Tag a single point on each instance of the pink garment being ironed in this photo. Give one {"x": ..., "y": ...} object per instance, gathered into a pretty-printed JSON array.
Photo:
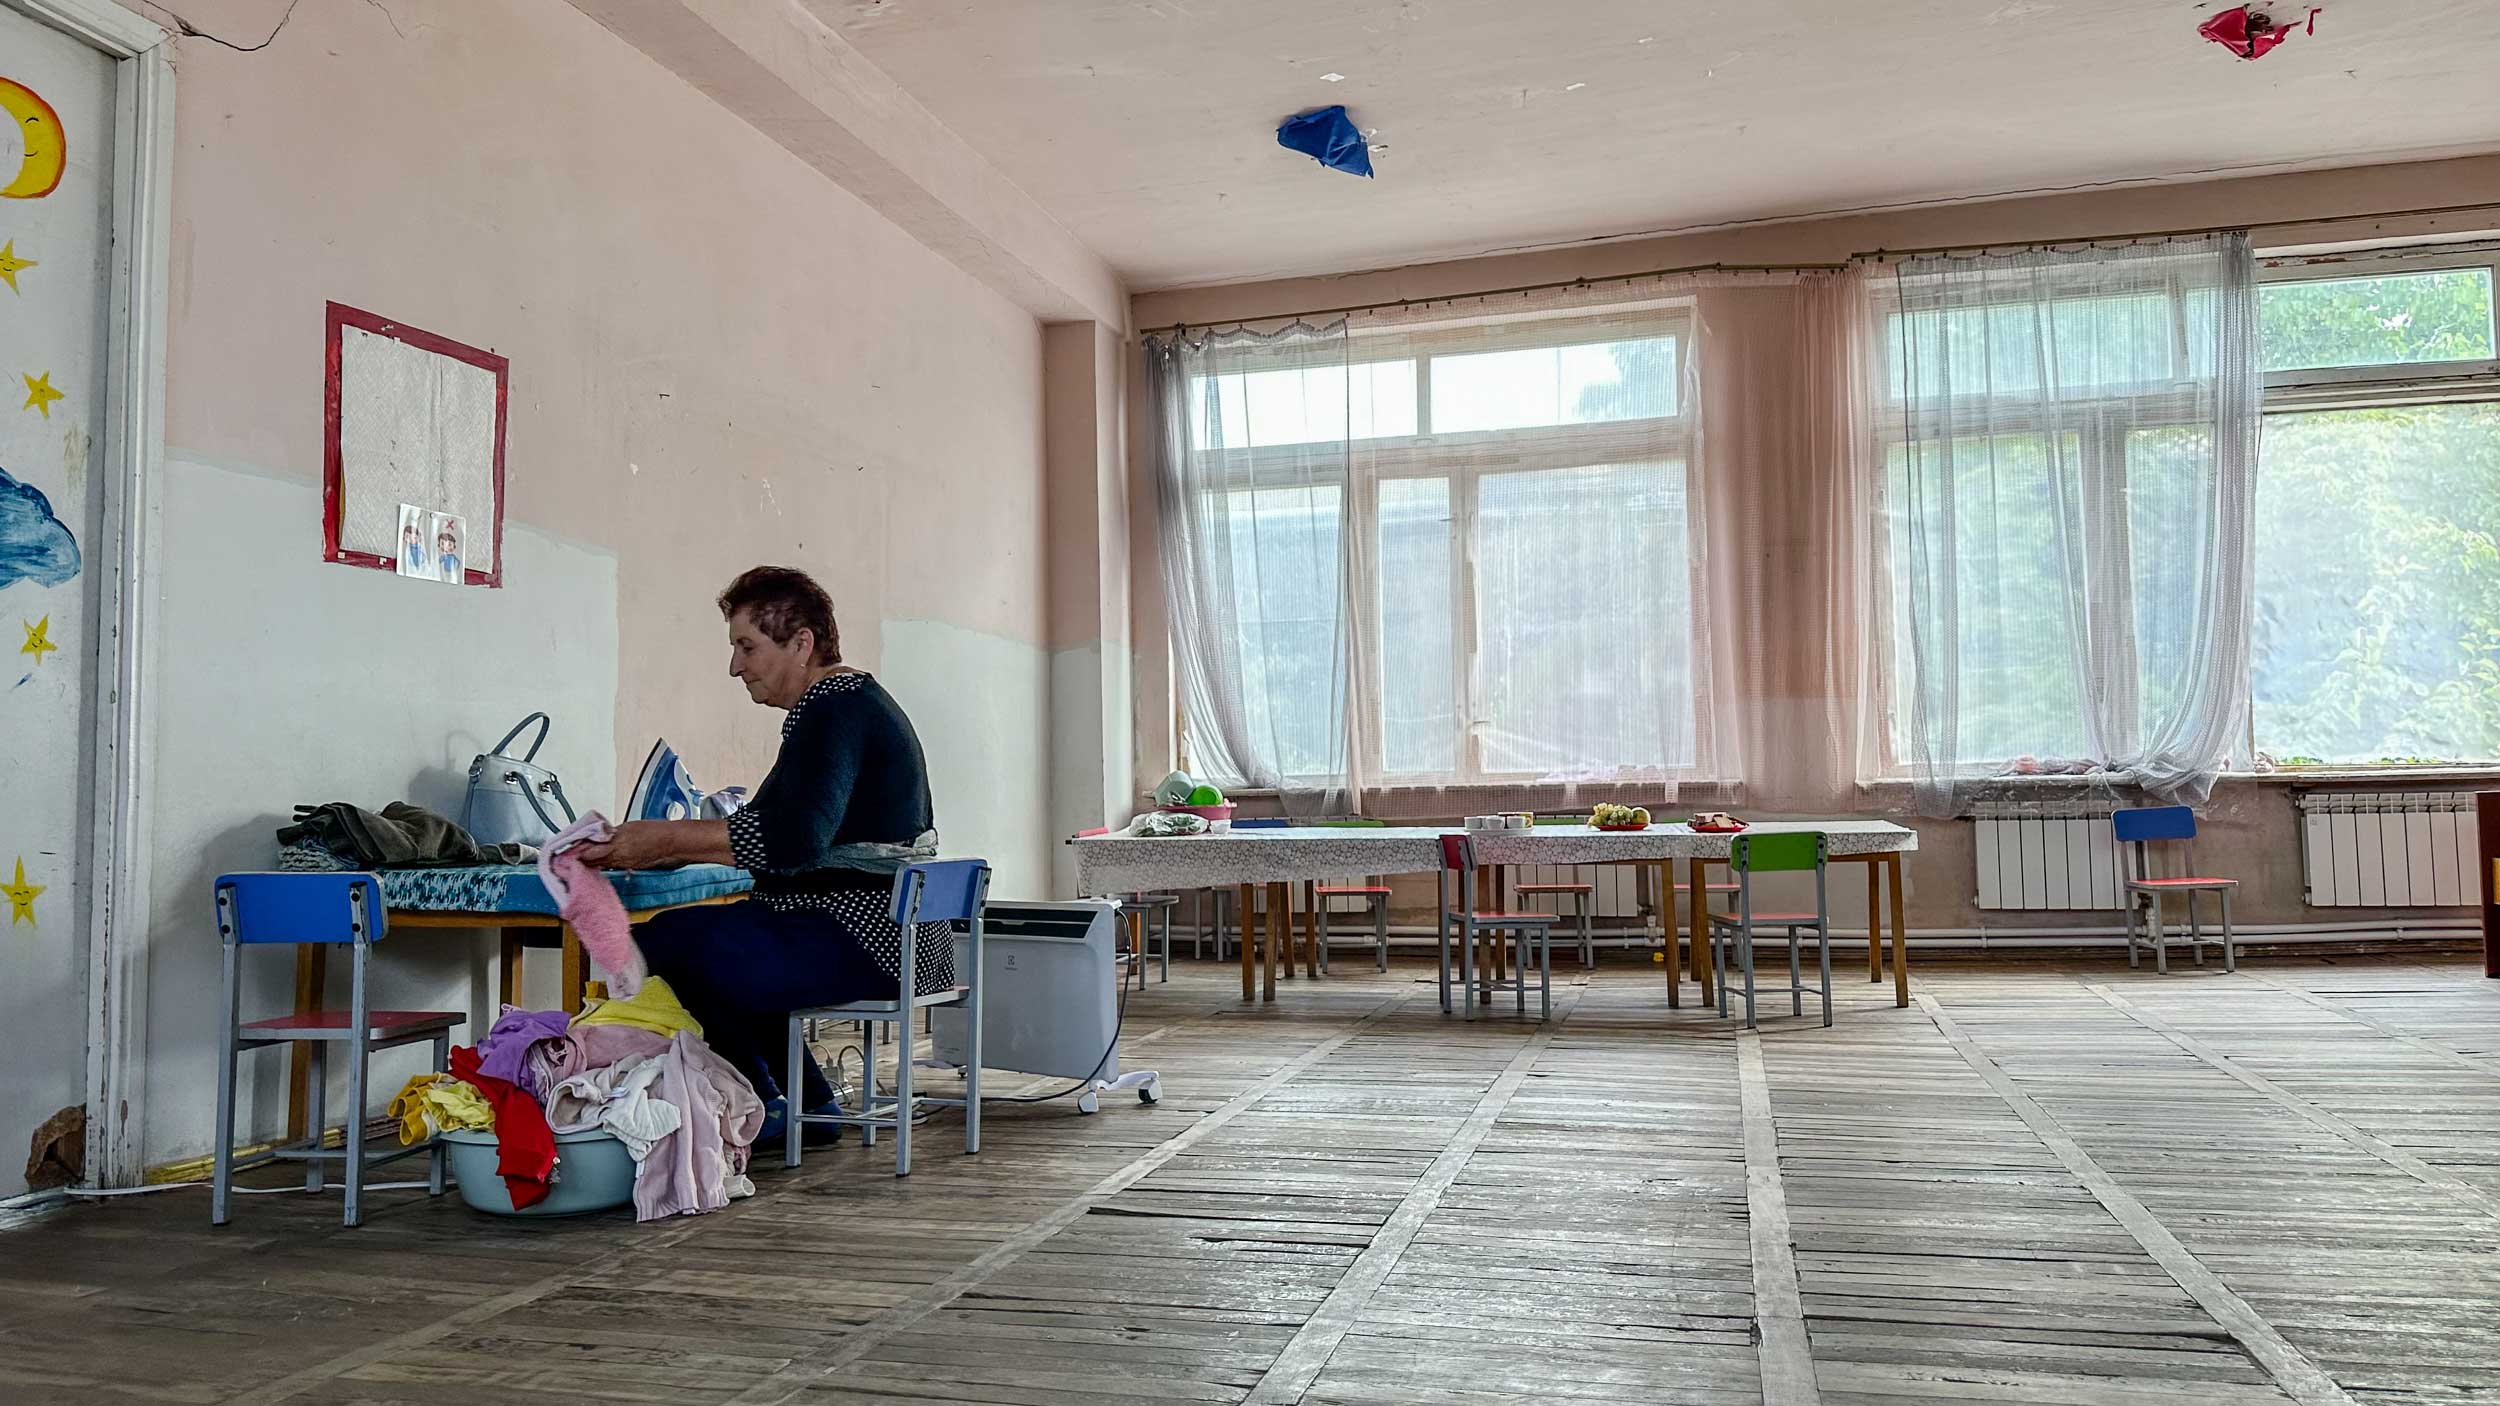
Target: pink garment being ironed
[
  {"x": 590, "y": 905},
  {"x": 701, "y": 1166}
]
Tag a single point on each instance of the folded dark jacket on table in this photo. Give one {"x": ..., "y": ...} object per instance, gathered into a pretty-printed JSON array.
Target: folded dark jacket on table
[{"x": 402, "y": 836}]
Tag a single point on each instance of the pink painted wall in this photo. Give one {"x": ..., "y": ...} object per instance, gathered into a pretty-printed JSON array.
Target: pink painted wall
[{"x": 718, "y": 357}]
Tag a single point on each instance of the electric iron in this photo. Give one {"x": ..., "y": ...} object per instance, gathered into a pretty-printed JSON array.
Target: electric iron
[{"x": 664, "y": 791}]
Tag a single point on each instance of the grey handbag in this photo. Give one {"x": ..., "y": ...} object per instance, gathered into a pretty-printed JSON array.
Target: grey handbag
[{"x": 511, "y": 801}]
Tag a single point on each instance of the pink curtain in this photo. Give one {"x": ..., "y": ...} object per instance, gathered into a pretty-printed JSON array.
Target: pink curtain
[{"x": 1788, "y": 416}]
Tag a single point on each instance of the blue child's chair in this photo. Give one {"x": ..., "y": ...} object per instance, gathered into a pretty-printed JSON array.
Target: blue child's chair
[
  {"x": 290, "y": 910},
  {"x": 2139, "y": 830},
  {"x": 940, "y": 891}
]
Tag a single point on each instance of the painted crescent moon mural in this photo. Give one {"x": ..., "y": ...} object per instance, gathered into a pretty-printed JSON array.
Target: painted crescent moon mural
[{"x": 39, "y": 128}]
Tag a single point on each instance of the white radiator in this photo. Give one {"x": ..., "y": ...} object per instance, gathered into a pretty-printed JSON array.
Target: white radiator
[
  {"x": 2046, "y": 856},
  {"x": 2400, "y": 849}
]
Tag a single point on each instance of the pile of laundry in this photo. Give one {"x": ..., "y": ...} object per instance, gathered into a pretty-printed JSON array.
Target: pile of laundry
[{"x": 636, "y": 1067}]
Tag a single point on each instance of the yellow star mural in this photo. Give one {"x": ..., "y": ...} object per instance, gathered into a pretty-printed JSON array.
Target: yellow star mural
[
  {"x": 21, "y": 897},
  {"x": 39, "y": 393},
  {"x": 38, "y": 642},
  {"x": 10, "y": 263}
]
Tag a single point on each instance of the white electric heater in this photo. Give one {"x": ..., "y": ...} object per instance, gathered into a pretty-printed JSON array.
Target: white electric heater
[{"x": 1050, "y": 998}]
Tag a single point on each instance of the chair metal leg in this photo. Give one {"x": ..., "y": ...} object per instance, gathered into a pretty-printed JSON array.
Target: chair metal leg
[
  {"x": 2196, "y": 930},
  {"x": 437, "y": 1157},
  {"x": 789, "y": 1092},
  {"x": 316, "y": 1113},
  {"x": 902, "y": 1099},
  {"x": 1319, "y": 919},
  {"x": 1588, "y": 932},
  {"x": 221, "y": 1175},
  {"x": 973, "y": 1015},
  {"x": 1545, "y": 975},
  {"x": 2133, "y": 906},
  {"x": 1467, "y": 964},
  {"x": 359, "y": 1060},
  {"x": 1747, "y": 937},
  {"x": 1519, "y": 973},
  {"x": 1796, "y": 979},
  {"x": 2230, "y": 952},
  {"x": 2161, "y": 948},
  {"x": 868, "y": 1080},
  {"x": 1823, "y": 949},
  {"x": 1380, "y": 928},
  {"x": 1723, "y": 959},
  {"x": 1441, "y": 937}
]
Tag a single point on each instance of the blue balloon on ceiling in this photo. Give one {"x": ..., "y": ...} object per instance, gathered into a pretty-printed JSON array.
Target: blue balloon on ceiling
[{"x": 1329, "y": 137}]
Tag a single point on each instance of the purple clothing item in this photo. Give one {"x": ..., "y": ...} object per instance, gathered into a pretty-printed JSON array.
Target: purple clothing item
[{"x": 504, "y": 1053}]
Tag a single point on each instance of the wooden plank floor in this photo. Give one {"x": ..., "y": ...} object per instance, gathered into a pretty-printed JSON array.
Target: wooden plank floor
[{"x": 2057, "y": 1185}]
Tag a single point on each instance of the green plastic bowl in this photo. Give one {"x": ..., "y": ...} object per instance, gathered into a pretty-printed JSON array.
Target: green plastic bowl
[{"x": 594, "y": 1172}]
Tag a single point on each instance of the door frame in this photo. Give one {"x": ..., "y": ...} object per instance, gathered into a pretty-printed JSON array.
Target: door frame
[{"x": 134, "y": 452}]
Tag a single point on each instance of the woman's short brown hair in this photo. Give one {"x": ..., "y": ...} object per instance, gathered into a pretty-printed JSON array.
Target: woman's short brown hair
[{"x": 783, "y": 601}]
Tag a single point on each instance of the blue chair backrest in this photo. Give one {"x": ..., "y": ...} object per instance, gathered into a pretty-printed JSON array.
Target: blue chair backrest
[
  {"x": 1263, "y": 824},
  {"x": 2154, "y": 823},
  {"x": 296, "y": 908},
  {"x": 943, "y": 890}
]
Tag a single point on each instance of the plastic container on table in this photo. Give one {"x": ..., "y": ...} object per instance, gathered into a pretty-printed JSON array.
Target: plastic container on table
[{"x": 594, "y": 1172}]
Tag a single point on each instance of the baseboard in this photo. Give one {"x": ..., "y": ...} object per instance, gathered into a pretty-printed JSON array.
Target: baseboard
[{"x": 200, "y": 1168}]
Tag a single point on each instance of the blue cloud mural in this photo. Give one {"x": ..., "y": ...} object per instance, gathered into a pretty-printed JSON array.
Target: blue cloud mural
[{"x": 34, "y": 545}]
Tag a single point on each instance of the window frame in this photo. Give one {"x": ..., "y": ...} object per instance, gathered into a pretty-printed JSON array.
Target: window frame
[
  {"x": 1463, "y": 460},
  {"x": 2312, "y": 390},
  {"x": 2360, "y": 387},
  {"x": 2101, "y": 454}
]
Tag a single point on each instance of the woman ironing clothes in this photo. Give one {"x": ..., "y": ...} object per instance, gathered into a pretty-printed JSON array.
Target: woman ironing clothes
[{"x": 845, "y": 805}]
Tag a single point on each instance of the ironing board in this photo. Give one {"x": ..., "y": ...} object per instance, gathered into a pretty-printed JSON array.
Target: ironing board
[{"x": 511, "y": 899}]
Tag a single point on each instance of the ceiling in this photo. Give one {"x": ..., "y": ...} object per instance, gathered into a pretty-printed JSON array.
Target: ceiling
[{"x": 1147, "y": 126}]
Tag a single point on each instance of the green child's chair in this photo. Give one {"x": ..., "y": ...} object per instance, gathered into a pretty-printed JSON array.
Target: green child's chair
[{"x": 1731, "y": 934}]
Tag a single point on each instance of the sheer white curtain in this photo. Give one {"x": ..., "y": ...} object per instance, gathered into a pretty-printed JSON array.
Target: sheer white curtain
[
  {"x": 1251, "y": 431},
  {"x": 2067, "y": 450},
  {"x": 1526, "y": 555},
  {"x": 1443, "y": 559}
]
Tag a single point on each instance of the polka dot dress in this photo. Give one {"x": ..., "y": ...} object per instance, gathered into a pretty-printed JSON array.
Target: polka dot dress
[{"x": 865, "y": 913}]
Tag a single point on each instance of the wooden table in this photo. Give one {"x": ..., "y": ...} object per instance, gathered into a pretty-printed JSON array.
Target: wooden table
[
  {"x": 516, "y": 929},
  {"x": 1245, "y": 859}
]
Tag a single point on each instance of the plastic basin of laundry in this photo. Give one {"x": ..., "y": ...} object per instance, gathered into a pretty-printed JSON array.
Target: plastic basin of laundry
[{"x": 594, "y": 1172}]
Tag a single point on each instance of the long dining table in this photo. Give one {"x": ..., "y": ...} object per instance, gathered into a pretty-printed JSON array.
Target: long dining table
[{"x": 1278, "y": 858}]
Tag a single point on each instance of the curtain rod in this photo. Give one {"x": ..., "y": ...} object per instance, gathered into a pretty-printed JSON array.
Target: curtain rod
[{"x": 1859, "y": 257}]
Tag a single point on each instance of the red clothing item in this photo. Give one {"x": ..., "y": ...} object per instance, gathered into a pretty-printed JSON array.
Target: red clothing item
[{"x": 525, "y": 1149}]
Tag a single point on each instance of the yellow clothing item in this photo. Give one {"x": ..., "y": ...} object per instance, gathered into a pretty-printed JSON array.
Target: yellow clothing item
[
  {"x": 654, "y": 1008},
  {"x": 430, "y": 1103}
]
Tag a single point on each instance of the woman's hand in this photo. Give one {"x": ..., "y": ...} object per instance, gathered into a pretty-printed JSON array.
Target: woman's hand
[{"x": 637, "y": 844}]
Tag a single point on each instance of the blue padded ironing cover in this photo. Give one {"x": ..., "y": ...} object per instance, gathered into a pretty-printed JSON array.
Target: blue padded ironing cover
[{"x": 516, "y": 888}]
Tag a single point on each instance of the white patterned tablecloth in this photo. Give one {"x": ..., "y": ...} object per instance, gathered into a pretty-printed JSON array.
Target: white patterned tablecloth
[{"x": 1111, "y": 864}]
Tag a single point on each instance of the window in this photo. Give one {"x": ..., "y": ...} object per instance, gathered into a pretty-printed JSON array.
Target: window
[
  {"x": 2377, "y": 536},
  {"x": 1516, "y": 547},
  {"x": 2045, "y": 427}
]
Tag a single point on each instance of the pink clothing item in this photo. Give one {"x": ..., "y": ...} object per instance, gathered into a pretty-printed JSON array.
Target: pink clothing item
[
  {"x": 590, "y": 905},
  {"x": 702, "y": 1166},
  {"x": 588, "y": 1047}
]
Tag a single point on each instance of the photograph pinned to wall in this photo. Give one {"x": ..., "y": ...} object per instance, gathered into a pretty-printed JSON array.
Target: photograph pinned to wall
[
  {"x": 416, "y": 554},
  {"x": 451, "y": 531}
]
